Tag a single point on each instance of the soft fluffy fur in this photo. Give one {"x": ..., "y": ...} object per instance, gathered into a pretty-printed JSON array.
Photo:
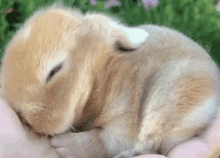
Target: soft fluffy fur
[{"x": 146, "y": 97}]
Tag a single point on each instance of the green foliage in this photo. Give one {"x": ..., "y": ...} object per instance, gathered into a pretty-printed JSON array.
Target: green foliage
[
  {"x": 198, "y": 19},
  {"x": 4, "y": 25}
]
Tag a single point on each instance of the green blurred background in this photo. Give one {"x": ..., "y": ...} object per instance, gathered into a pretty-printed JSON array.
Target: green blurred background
[{"x": 198, "y": 19}]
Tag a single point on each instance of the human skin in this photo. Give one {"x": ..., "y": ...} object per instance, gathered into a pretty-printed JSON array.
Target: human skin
[{"x": 17, "y": 142}]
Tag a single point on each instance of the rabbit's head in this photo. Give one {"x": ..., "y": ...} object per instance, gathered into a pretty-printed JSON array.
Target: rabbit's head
[{"x": 50, "y": 64}]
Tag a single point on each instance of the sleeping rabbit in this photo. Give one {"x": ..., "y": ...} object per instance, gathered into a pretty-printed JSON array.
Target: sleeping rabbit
[{"x": 131, "y": 90}]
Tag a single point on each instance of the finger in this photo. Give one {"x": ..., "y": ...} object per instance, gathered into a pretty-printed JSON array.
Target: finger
[
  {"x": 62, "y": 140},
  {"x": 190, "y": 149},
  {"x": 212, "y": 136}
]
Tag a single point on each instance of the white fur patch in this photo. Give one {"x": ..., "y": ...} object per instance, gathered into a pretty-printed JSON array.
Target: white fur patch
[
  {"x": 26, "y": 32},
  {"x": 137, "y": 36}
]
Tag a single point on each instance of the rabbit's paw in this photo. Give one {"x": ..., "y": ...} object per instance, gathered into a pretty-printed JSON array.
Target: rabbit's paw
[{"x": 69, "y": 145}]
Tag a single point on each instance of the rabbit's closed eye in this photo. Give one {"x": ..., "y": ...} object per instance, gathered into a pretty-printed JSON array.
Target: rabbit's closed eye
[{"x": 54, "y": 71}]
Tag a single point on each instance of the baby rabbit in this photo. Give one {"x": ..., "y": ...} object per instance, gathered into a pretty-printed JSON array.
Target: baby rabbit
[{"x": 131, "y": 90}]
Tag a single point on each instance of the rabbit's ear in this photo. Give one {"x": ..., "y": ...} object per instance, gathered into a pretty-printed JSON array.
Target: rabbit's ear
[
  {"x": 129, "y": 38},
  {"x": 126, "y": 38}
]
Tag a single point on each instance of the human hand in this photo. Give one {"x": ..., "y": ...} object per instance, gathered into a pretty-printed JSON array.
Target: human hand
[{"x": 16, "y": 141}]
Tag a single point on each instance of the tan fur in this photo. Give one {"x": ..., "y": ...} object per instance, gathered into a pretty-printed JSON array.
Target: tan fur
[
  {"x": 215, "y": 153},
  {"x": 129, "y": 102},
  {"x": 192, "y": 93}
]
